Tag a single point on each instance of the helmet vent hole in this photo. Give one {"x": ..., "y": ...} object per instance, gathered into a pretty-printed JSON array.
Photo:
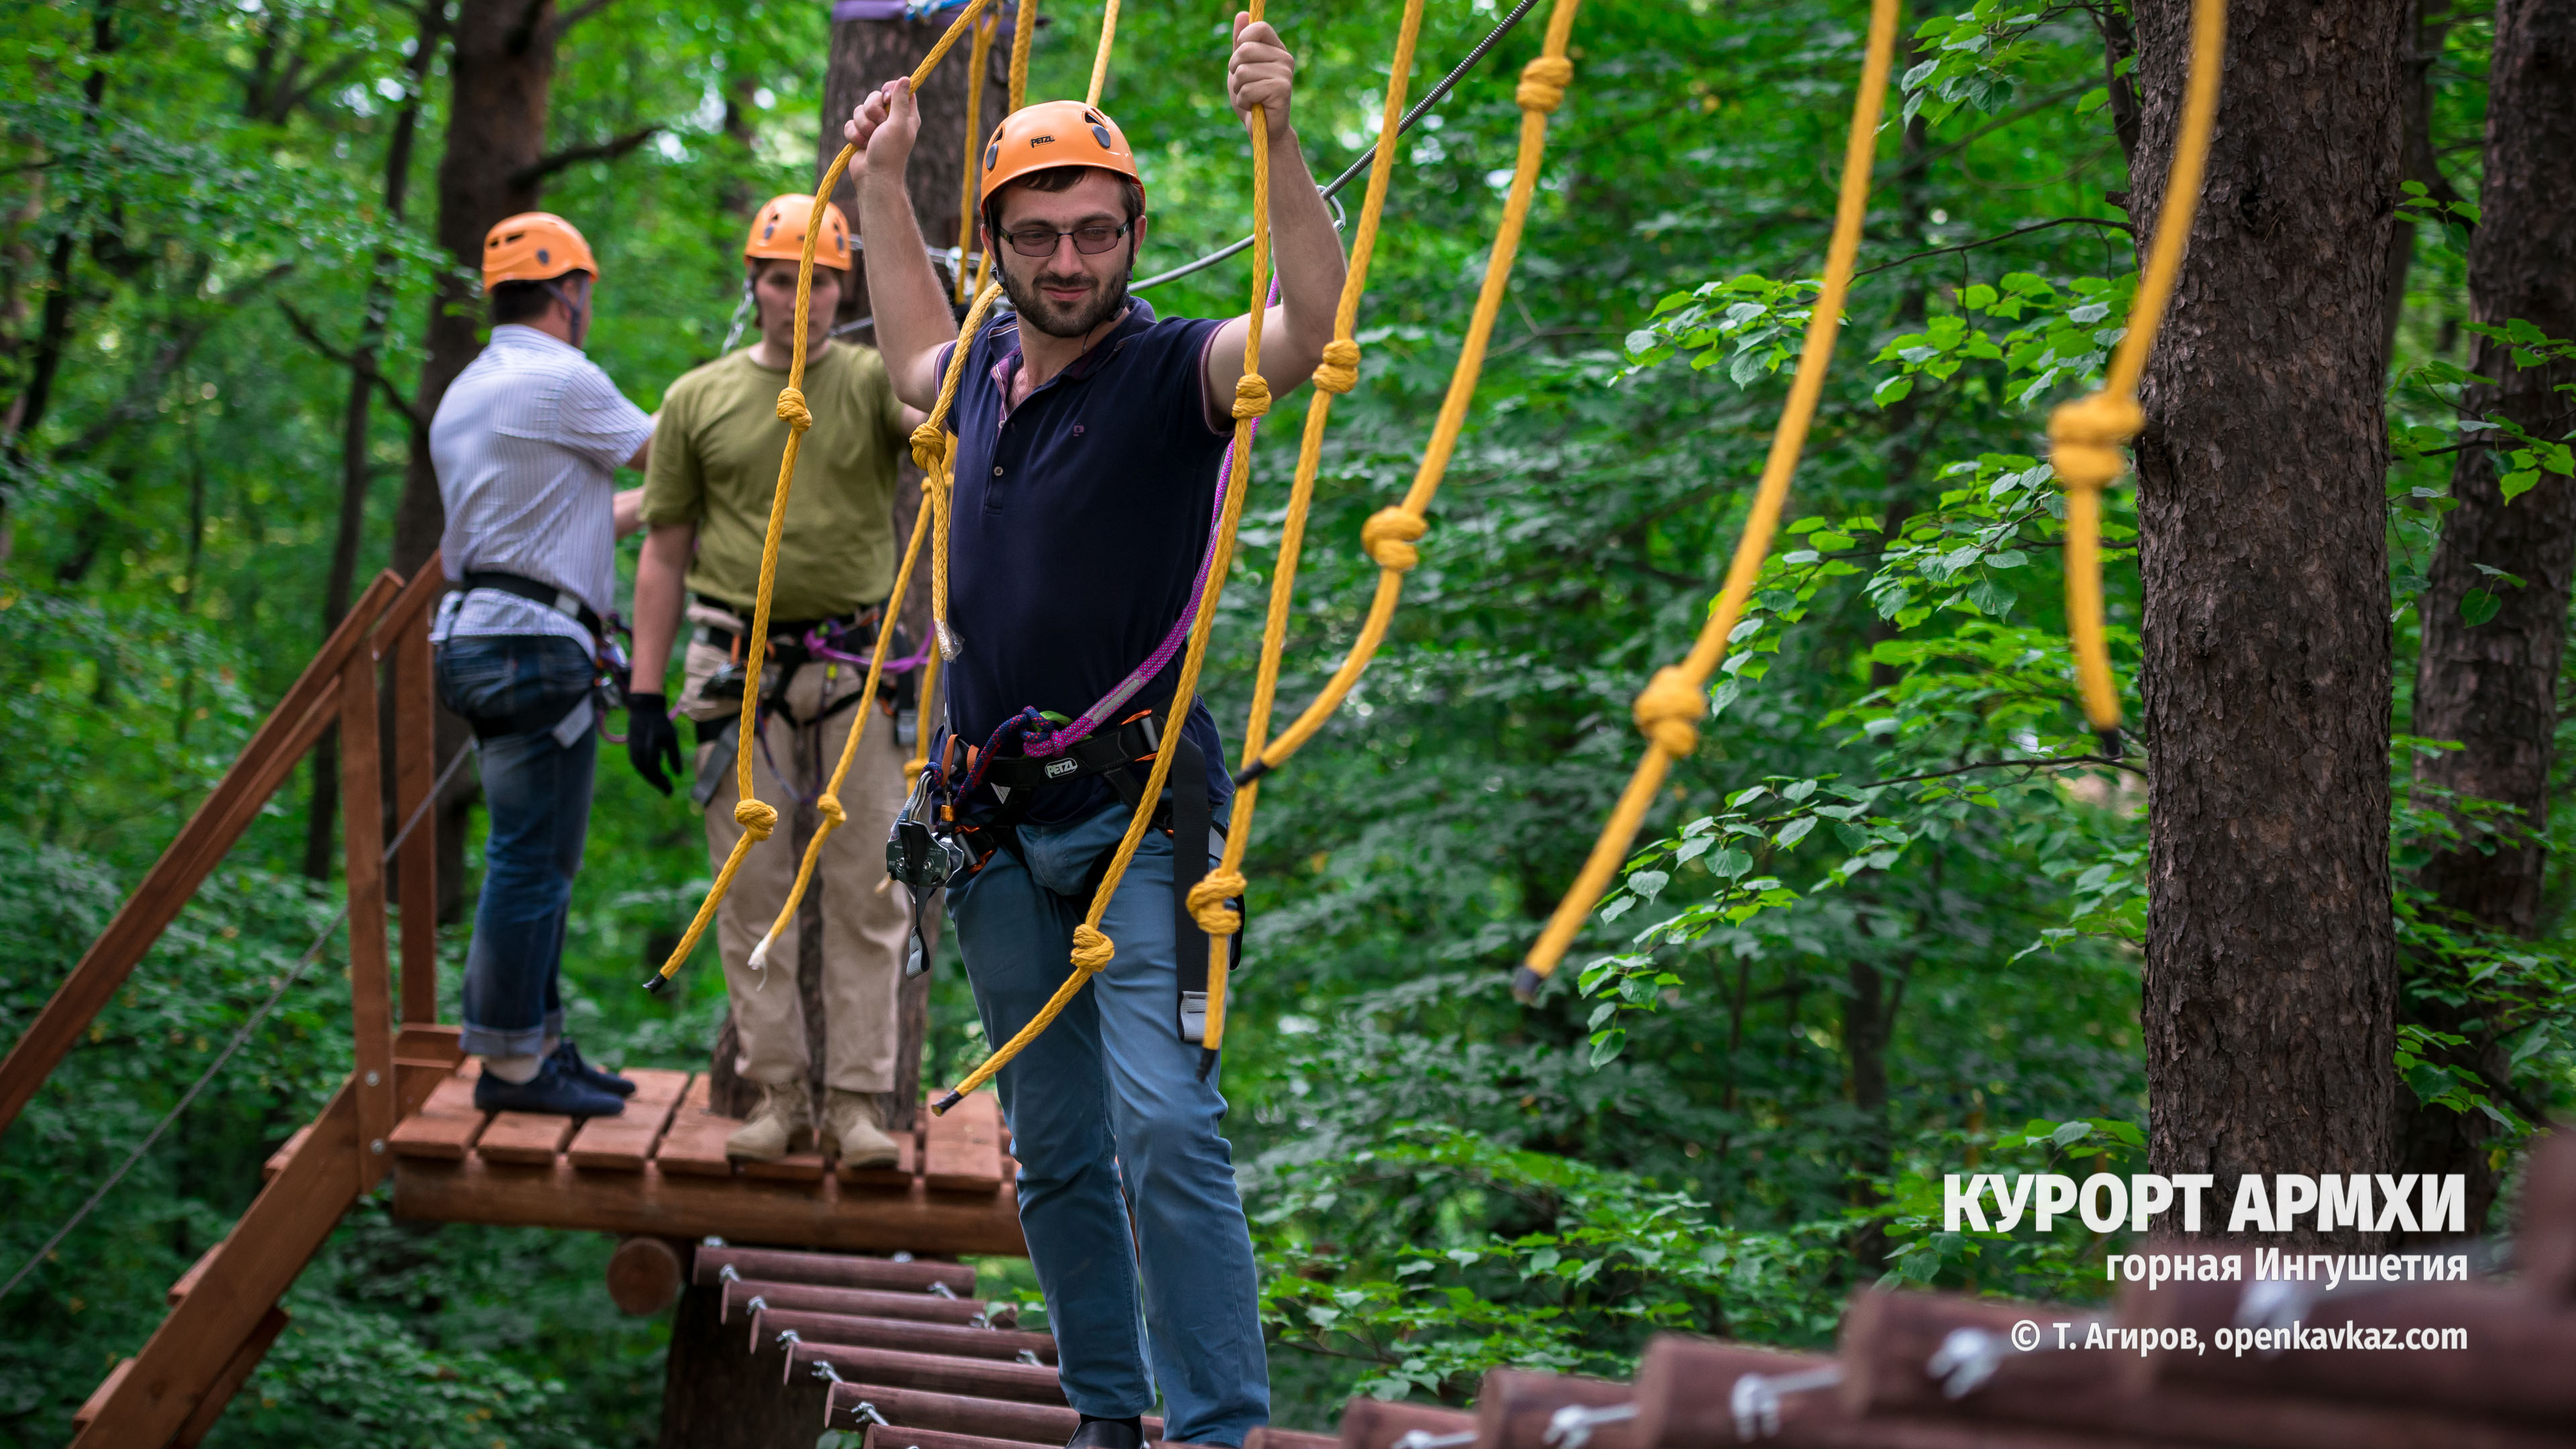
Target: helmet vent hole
[{"x": 1101, "y": 134}]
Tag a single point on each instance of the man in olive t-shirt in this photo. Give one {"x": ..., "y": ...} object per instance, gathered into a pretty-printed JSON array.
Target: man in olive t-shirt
[{"x": 716, "y": 452}]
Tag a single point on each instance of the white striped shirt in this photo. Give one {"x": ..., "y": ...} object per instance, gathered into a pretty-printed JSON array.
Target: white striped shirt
[{"x": 527, "y": 443}]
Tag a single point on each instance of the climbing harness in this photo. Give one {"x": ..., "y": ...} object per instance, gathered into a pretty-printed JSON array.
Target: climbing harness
[{"x": 2087, "y": 435}]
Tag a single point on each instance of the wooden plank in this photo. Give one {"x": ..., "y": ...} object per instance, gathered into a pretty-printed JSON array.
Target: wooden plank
[
  {"x": 901, "y": 1435},
  {"x": 830, "y": 1270},
  {"x": 446, "y": 1125},
  {"x": 907, "y": 1165},
  {"x": 750, "y": 1293},
  {"x": 99, "y": 1396},
  {"x": 285, "y": 1225},
  {"x": 694, "y": 1143},
  {"x": 526, "y": 1139},
  {"x": 960, "y": 1414},
  {"x": 244, "y": 1362},
  {"x": 362, "y": 829},
  {"x": 196, "y": 1270},
  {"x": 963, "y": 1151},
  {"x": 428, "y": 1041},
  {"x": 625, "y": 1143},
  {"x": 828, "y": 1215},
  {"x": 415, "y": 755},
  {"x": 794, "y": 1167},
  {"x": 285, "y": 1153},
  {"x": 957, "y": 1340},
  {"x": 979, "y": 1377},
  {"x": 411, "y": 607}
]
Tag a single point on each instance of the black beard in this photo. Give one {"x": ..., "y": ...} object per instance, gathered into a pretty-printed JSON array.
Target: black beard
[{"x": 1038, "y": 311}]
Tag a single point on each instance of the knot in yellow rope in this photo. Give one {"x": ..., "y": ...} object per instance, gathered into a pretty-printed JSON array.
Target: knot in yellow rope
[
  {"x": 2088, "y": 433},
  {"x": 791, "y": 409},
  {"x": 1251, "y": 396},
  {"x": 828, "y": 805},
  {"x": 1208, "y": 902},
  {"x": 1543, "y": 83},
  {"x": 1669, "y": 711},
  {"x": 1340, "y": 371},
  {"x": 929, "y": 449},
  {"x": 756, "y": 817},
  {"x": 1388, "y": 537},
  {"x": 1091, "y": 950}
]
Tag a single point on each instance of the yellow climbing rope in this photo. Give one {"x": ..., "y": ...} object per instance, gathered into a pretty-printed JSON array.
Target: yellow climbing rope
[
  {"x": 1669, "y": 709},
  {"x": 756, "y": 816},
  {"x": 2086, "y": 435},
  {"x": 1100, "y": 57},
  {"x": 1024, "y": 28},
  {"x": 975, "y": 66},
  {"x": 1338, "y": 373},
  {"x": 1092, "y": 950},
  {"x": 1388, "y": 536}
]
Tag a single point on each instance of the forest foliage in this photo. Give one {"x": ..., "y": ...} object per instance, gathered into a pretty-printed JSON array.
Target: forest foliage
[{"x": 1885, "y": 925}]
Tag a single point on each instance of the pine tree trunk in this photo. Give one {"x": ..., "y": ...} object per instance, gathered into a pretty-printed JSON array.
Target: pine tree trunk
[
  {"x": 2270, "y": 988},
  {"x": 2493, "y": 686}
]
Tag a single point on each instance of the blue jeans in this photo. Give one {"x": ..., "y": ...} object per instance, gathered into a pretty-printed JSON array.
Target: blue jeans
[
  {"x": 1109, "y": 1098},
  {"x": 537, "y": 791}
]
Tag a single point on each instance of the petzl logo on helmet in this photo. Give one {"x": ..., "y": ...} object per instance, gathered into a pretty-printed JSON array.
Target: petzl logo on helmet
[{"x": 1040, "y": 140}]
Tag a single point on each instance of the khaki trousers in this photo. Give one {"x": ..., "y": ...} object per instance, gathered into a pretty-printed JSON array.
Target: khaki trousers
[{"x": 863, "y": 928}]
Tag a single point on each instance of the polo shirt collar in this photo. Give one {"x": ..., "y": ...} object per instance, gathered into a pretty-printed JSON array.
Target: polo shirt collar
[{"x": 1140, "y": 315}]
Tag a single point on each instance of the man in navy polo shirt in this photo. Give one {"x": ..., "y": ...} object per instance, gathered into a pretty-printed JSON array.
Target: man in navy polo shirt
[{"x": 1089, "y": 433}]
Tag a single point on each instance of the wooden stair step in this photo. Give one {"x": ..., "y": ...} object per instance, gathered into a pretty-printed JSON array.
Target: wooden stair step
[
  {"x": 446, "y": 1125},
  {"x": 972, "y": 1377},
  {"x": 860, "y": 1302},
  {"x": 236, "y": 1372},
  {"x": 911, "y": 1335},
  {"x": 958, "y": 1414},
  {"x": 196, "y": 1270},
  {"x": 830, "y": 1270},
  {"x": 98, "y": 1397},
  {"x": 794, "y": 1167},
  {"x": 625, "y": 1143},
  {"x": 907, "y": 1166},
  {"x": 284, "y": 1154},
  {"x": 962, "y": 1151},
  {"x": 694, "y": 1142}
]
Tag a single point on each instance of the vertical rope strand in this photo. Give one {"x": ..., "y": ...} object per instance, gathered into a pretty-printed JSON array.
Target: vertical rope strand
[
  {"x": 978, "y": 61},
  {"x": 1092, "y": 950},
  {"x": 757, "y": 817},
  {"x": 1100, "y": 57},
  {"x": 1024, "y": 29},
  {"x": 1677, "y": 698},
  {"x": 1338, "y": 373}
]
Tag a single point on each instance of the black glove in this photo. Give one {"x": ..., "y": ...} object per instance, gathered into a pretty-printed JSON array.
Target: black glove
[{"x": 652, "y": 741}]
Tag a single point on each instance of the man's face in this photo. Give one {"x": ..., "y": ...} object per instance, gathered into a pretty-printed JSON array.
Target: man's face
[
  {"x": 776, "y": 293},
  {"x": 1065, "y": 293}
]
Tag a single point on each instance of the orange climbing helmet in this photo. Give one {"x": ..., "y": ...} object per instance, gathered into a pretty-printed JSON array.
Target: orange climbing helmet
[
  {"x": 534, "y": 246},
  {"x": 1054, "y": 134},
  {"x": 778, "y": 232}
]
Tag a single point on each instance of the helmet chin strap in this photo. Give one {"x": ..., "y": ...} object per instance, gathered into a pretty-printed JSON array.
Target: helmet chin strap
[{"x": 579, "y": 312}]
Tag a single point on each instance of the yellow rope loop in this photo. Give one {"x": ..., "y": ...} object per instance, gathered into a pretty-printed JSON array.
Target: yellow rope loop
[
  {"x": 792, "y": 410},
  {"x": 828, "y": 806},
  {"x": 1091, "y": 950},
  {"x": 1251, "y": 396},
  {"x": 1340, "y": 369},
  {"x": 929, "y": 449},
  {"x": 1208, "y": 902},
  {"x": 2088, "y": 434},
  {"x": 1543, "y": 83},
  {"x": 1388, "y": 538},
  {"x": 756, "y": 817},
  {"x": 1669, "y": 709}
]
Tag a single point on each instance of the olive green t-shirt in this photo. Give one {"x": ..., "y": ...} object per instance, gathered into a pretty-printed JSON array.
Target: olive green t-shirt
[{"x": 715, "y": 464}]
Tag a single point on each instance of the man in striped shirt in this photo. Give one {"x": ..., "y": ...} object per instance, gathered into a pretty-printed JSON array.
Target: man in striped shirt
[{"x": 527, "y": 442}]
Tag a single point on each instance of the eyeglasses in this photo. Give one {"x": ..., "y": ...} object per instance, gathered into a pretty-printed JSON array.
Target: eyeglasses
[{"x": 1091, "y": 240}]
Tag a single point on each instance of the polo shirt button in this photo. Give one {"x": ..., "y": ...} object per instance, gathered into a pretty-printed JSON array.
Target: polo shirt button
[{"x": 997, "y": 471}]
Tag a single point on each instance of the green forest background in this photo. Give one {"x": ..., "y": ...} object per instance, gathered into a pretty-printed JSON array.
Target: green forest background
[{"x": 1887, "y": 931}]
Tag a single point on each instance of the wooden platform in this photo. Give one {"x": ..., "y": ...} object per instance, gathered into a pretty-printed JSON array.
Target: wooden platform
[{"x": 660, "y": 1169}]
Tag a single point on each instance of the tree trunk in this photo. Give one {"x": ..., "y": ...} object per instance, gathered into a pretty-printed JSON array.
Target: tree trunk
[
  {"x": 501, "y": 66},
  {"x": 868, "y": 53},
  {"x": 2493, "y": 686},
  {"x": 2417, "y": 160},
  {"x": 716, "y": 1396},
  {"x": 2270, "y": 990},
  {"x": 356, "y": 427}
]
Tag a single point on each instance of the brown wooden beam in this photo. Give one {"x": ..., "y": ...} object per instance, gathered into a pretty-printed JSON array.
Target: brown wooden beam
[
  {"x": 824, "y": 1214},
  {"x": 917, "y": 1337},
  {"x": 830, "y": 1270},
  {"x": 236, "y": 1372},
  {"x": 362, "y": 829},
  {"x": 415, "y": 755},
  {"x": 974, "y": 1377},
  {"x": 958, "y": 1414},
  {"x": 739, "y": 1294}
]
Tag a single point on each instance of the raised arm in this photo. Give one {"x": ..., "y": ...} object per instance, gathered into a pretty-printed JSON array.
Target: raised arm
[
  {"x": 913, "y": 319},
  {"x": 1304, "y": 249}
]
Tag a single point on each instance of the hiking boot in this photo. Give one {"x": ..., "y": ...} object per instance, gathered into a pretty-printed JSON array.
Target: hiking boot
[
  {"x": 552, "y": 1091},
  {"x": 784, "y": 1124},
  {"x": 850, "y": 1131},
  {"x": 1108, "y": 1434},
  {"x": 596, "y": 1078}
]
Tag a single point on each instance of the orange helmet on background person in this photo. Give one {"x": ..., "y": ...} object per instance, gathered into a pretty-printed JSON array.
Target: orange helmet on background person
[
  {"x": 534, "y": 246},
  {"x": 778, "y": 232},
  {"x": 1054, "y": 134}
]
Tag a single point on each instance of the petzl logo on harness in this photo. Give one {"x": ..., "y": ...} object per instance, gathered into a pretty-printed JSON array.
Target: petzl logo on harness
[{"x": 1058, "y": 769}]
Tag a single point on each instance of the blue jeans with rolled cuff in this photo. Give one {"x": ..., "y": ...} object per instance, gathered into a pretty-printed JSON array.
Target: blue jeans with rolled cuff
[
  {"x": 1109, "y": 1118},
  {"x": 537, "y": 791}
]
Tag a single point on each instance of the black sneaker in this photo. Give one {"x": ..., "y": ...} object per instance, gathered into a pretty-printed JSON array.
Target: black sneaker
[
  {"x": 1108, "y": 1434},
  {"x": 598, "y": 1079},
  {"x": 552, "y": 1091}
]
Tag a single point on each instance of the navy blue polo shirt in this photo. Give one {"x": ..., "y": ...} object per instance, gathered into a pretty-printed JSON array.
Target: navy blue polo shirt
[{"x": 1079, "y": 520}]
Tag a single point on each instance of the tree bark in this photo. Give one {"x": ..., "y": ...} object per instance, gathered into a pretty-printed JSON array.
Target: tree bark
[
  {"x": 356, "y": 429},
  {"x": 2270, "y": 988},
  {"x": 2425, "y": 27},
  {"x": 2493, "y": 686},
  {"x": 868, "y": 53}
]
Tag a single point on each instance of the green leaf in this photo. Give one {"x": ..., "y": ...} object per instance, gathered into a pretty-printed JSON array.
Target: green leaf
[
  {"x": 2515, "y": 484},
  {"x": 2479, "y": 605},
  {"x": 1796, "y": 830}
]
